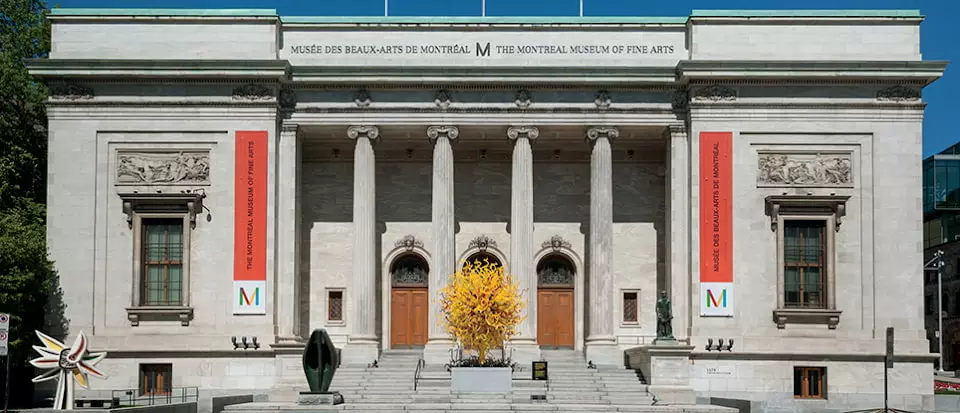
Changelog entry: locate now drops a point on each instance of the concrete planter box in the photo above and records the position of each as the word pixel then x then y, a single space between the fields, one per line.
pixel 481 379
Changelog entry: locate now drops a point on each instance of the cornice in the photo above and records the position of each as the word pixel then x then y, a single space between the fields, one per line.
pixel 214 70
pixel 920 72
pixel 481 75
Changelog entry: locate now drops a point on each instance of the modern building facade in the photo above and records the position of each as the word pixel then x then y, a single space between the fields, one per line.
pixel 233 173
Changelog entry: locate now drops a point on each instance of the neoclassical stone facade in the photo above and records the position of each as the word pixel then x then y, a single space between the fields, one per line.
pixel 219 174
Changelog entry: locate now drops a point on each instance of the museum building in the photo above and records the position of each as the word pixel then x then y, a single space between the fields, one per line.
pixel 222 182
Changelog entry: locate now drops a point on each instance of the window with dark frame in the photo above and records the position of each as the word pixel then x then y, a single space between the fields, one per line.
pixel 808 382
pixel 630 307
pixel 335 305
pixel 162 262
pixel 804 261
pixel 156 379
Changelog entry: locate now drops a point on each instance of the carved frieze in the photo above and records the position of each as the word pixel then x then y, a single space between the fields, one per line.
pixel 163 168
pixel 442 100
pixel 804 169
pixel 252 92
pixel 679 99
pixel 287 99
pixel 898 93
pixel 362 98
pixel 715 93
pixel 70 91
pixel 523 99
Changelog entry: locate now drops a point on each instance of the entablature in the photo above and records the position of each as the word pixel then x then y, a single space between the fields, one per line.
pixel 920 73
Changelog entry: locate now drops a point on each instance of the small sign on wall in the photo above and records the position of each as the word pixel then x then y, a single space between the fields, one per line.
pixel 249 297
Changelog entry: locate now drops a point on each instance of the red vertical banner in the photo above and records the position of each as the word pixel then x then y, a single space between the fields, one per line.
pixel 716 224
pixel 250 223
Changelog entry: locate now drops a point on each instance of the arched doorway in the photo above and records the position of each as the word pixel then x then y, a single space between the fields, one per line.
pixel 483 257
pixel 555 302
pixel 408 301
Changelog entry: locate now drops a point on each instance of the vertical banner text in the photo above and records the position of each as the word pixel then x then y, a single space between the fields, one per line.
pixel 716 224
pixel 250 225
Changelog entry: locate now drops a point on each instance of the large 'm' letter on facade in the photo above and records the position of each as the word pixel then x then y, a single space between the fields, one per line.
pixel 716 224
pixel 250 225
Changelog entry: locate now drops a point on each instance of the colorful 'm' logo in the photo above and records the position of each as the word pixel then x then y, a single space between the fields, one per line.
pixel 714 301
pixel 250 300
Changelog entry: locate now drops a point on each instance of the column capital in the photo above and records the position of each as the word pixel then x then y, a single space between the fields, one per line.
pixel 516 132
pixel 597 132
pixel 287 127
pixel 449 131
pixel 363 131
pixel 678 130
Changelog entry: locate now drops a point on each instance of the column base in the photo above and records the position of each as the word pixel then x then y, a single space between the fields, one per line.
pixel 523 352
pixel 437 352
pixel 604 353
pixel 360 352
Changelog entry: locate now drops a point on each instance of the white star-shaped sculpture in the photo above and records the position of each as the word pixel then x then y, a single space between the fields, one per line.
pixel 63 362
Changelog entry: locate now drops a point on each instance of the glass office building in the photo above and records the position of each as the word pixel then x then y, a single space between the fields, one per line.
pixel 941 197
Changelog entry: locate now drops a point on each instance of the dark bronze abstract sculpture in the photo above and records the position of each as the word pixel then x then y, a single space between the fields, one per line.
pixel 320 361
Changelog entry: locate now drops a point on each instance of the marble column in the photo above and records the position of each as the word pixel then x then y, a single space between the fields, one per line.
pixel 601 342
pixel 521 226
pixel 288 235
pixel 443 255
pixel 362 342
pixel 678 227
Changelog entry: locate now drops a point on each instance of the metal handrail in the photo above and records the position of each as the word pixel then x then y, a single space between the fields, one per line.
pixel 134 397
pixel 416 374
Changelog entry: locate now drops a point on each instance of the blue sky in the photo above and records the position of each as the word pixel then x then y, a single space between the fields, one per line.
pixel 939 32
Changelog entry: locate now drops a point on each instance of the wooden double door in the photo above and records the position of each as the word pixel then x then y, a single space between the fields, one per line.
pixel 408 317
pixel 555 318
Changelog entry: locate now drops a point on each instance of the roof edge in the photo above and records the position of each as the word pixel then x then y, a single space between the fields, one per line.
pixel 93 12
pixel 807 13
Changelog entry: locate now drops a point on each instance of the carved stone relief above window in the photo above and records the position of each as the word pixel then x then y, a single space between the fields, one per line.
pixel 482 243
pixel 898 93
pixel 408 243
pixel 163 168
pixel 805 169
pixel 715 93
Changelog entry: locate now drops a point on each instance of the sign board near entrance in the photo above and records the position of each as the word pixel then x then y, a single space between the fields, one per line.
pixel 567 48
pixel 250 226
pixel 540 370
pixel 716 224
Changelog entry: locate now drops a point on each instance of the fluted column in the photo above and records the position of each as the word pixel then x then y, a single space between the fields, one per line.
pixel 521 225
pixel 601 236
pixel 443 227
pixel 364 235
pixel 678 228
pixel 288 235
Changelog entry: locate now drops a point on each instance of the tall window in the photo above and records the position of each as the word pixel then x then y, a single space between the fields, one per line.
pixel 335 306
pixel 804 261
pixel 162 258
pixel 808 382
pixel 156 379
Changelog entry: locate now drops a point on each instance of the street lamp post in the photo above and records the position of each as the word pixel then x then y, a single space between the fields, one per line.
pixel 937 264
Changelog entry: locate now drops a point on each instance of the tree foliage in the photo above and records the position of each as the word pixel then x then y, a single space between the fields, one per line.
pixel 481 307
pixel 24 34
pixel 29 285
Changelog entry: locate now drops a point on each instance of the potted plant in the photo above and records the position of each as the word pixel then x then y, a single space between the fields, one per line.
pixel 481 309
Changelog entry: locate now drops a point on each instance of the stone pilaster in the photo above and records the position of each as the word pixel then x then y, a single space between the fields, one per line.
pixel 443 227
pixel 601 342
pixel 678 228
pixel 521 239
pixel 362 343
pixel 288 235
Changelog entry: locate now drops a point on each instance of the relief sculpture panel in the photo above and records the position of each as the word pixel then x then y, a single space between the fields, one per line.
pixel 804 169
pixel 163 168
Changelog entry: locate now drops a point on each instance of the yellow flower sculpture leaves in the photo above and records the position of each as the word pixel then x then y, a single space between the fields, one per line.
pixel 481 306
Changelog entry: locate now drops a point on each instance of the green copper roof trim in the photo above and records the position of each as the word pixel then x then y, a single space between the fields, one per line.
pixel 805 13
pixel 166 12
pixel 480 20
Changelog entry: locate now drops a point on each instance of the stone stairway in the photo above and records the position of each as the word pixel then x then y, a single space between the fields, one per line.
pixel 572 387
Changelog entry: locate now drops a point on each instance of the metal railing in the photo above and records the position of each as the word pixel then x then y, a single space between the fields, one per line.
pixel 133 397
pixel 416 374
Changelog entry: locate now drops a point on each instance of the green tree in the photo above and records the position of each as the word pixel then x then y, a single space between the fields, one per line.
pixel 24 34
pixel 29 285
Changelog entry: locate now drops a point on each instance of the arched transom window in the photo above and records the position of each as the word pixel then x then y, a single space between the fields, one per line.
pixel 483 258
pixel 555 271
pixel 409 270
